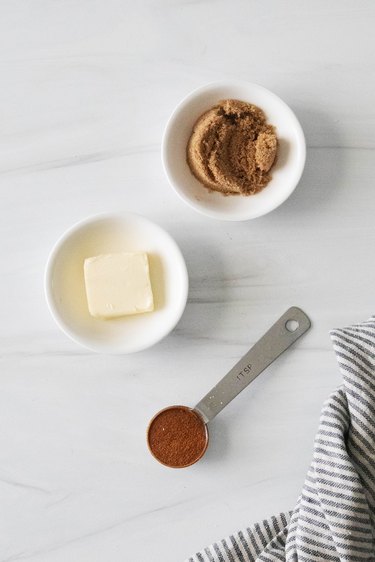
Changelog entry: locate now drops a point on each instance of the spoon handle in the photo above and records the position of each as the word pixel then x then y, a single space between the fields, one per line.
pixel 288 328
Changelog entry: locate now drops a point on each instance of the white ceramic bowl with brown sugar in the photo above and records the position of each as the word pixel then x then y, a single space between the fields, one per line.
pixel 286 171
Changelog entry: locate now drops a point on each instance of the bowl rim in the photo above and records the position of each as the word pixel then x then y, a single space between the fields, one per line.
pixel 220 214
pixel 64 326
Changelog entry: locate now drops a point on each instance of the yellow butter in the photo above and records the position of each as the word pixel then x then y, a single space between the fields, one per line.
pixel 118 284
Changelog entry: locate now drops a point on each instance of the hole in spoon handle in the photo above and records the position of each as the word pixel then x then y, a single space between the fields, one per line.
pixel 286 330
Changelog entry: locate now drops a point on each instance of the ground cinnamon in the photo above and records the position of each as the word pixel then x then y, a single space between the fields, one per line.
pixel 177 436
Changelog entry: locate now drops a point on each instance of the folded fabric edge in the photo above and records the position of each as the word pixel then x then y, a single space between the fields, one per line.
pixel 247 543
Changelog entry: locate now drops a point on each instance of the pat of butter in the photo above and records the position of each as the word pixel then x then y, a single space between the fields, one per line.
pixel 118 284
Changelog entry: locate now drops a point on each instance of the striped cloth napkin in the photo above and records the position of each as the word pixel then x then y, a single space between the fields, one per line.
pixel 334 518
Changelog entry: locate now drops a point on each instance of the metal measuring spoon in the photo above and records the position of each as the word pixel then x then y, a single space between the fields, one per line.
pixel 177 436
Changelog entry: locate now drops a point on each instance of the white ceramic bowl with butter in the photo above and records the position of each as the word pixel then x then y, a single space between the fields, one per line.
pixel 104 234
pixel 286 172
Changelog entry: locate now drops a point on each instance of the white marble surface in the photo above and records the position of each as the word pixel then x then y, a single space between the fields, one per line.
pixel 86 90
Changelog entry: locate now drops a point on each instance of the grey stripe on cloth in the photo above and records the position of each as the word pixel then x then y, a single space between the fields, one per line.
pixel 334 519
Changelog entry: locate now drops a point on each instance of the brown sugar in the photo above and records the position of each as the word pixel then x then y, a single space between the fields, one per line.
pixel 177 436
pixel 232 148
